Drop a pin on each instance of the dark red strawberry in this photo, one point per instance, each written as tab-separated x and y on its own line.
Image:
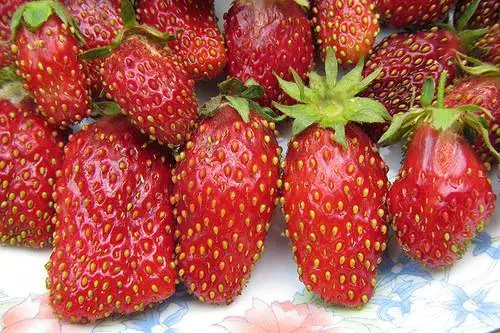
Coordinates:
335	184
46	50
442	196
404	14
483	91
490	44
406	60
349	27
114	239
486	15
226	188
199	42
152	89
30	160
99	22
7	9
266	37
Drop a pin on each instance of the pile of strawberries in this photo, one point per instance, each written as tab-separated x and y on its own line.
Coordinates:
156	191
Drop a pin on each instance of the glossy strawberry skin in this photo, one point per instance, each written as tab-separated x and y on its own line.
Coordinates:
350	32
490	44
404	14
7	9
484	92
265	40
440	199
99	22
406	60
48	62
226	187
334	208
199	43
486	14
31	156
114	238
153	91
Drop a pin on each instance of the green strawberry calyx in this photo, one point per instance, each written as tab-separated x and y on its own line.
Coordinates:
242	97
331	103
8	74
131	28
468	120
32	15
476	67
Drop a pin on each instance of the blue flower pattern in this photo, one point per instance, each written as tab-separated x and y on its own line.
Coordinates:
483	243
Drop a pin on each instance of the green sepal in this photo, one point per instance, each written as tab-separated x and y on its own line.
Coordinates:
241	105
128	14
34	14
476	66
469	38
427	92
8	74
106	108
303	3
467	15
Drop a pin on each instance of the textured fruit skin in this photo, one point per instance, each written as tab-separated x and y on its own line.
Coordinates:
334	208
153	91
403	14
114	239
48	62
348	27
7	9
99	22
266	38
226	187
31	154
440	199
486	14
484	92
406	60
490	43
200	43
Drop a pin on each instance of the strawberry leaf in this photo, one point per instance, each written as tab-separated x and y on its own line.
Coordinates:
36	13
241	105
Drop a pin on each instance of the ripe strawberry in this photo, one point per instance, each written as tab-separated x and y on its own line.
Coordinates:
442	196
406	60
335	184
486	14
199	42
99	22
266	37
113	244
152	89
7	9
47	57
404	14
490	44
483	91
30	159
226	187
349	27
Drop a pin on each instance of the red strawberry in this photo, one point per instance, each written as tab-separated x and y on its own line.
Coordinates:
152	89
349	27
113	244
268	37
406	60
486	14
335	184
99	22
7	9
403	14
226	186
490	44
47	58
442	196
483	91
30	160
199	42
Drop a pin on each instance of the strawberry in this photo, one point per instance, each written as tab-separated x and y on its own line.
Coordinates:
482	91
114	238
152	89
30	160
99	22
335	184
349	27
490	44
404	14
225	190
46	50
7	9
266	37
442	196
486	15
199	42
